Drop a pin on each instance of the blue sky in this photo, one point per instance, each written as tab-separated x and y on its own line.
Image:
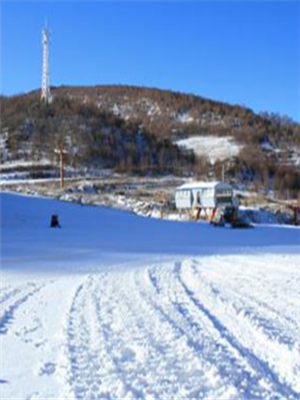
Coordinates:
241	52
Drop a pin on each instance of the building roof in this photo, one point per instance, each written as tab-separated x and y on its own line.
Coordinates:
203	185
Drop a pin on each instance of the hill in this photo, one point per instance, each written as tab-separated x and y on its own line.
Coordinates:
149	130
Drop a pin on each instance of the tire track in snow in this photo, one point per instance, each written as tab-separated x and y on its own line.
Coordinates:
136	352
276	344
262	288
232	369
37	336
264	318
262	311
151	356
4	289
15	300
93	372
144	333
123	334
8	294
258	364
106	288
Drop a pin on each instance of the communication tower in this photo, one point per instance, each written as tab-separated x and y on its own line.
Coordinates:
45	95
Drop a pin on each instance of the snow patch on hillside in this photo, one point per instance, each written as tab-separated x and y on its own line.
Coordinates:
184	118
215	148
128	110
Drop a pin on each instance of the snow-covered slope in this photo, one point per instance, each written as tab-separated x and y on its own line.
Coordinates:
213	147
116	306
93	233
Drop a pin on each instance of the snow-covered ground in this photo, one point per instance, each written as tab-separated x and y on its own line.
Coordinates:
213	147
9	165
115	306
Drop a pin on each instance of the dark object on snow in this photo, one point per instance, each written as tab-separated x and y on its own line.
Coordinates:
230	214
219	223
240	224
54	221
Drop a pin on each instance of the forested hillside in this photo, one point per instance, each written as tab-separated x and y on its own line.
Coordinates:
91	137
136	129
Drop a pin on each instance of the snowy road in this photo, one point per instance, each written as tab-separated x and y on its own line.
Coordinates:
114	306
174	330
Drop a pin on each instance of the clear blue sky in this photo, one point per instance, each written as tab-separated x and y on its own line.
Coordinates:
238	52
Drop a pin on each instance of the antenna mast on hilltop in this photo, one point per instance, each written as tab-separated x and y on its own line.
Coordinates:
46	95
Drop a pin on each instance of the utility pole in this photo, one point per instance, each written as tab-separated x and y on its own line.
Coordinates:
223	173
61	153
62	176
